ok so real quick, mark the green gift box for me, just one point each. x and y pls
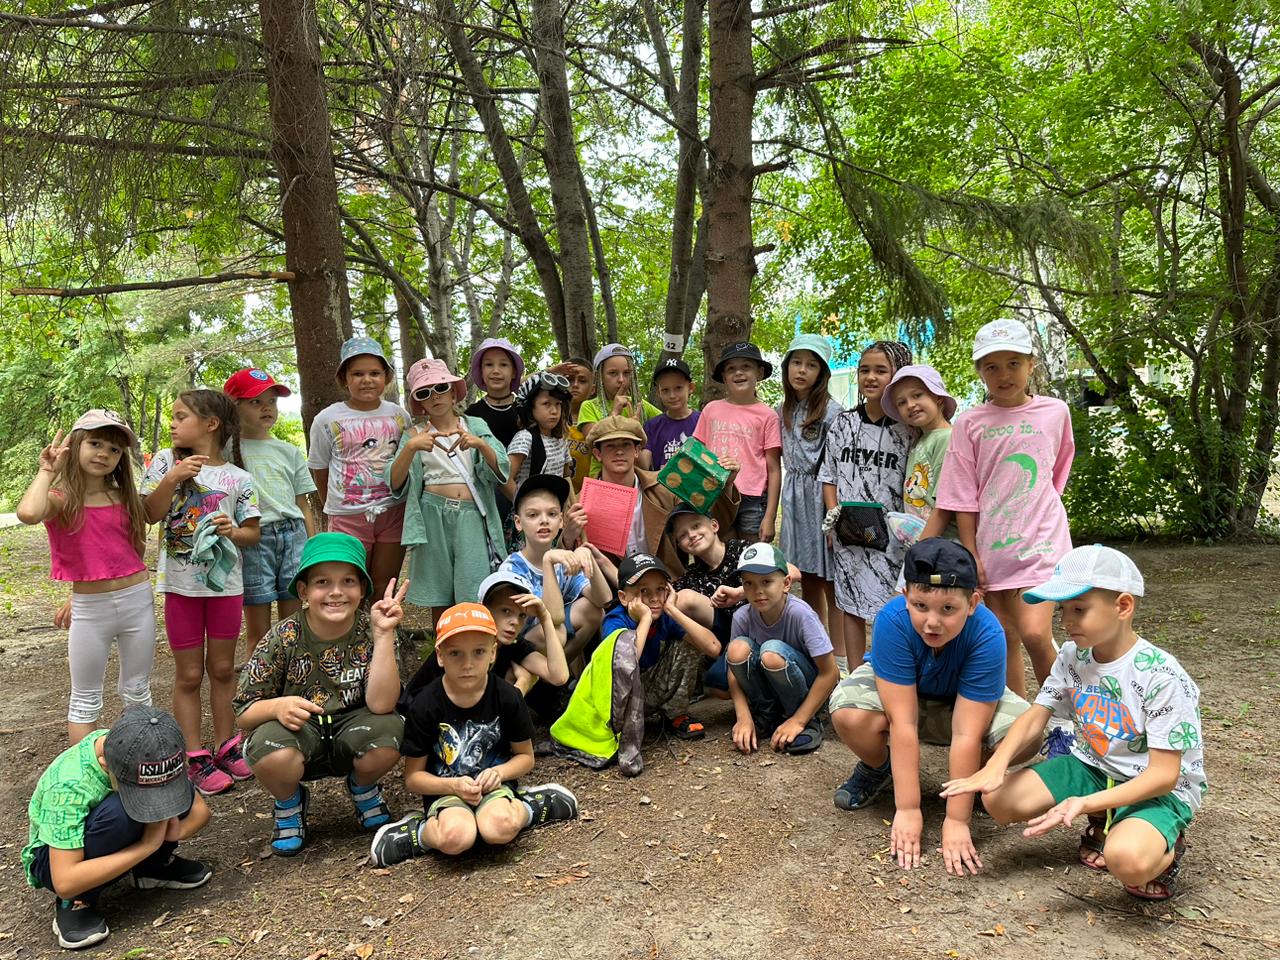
(695, 476)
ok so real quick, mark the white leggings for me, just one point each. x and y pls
(127, 616)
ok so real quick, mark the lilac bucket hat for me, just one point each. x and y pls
(932, 381)
(496, 343)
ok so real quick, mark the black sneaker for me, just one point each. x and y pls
(178, 873)
(550, 801)
(77, 925)
(397, 842)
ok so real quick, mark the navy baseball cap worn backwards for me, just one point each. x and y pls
(938, 562)
(632, 568)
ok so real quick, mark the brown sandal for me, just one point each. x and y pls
(1165, 880)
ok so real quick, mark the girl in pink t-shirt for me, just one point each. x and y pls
(86, 496)
(740, 428)
(1007, 465)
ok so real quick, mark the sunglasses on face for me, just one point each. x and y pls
(424, 393)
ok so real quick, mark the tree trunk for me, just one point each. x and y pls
(682, 99)
(301, 151)
(412, 345)
(731, 263)
(602, 262)
(564, 174)
(521, 207)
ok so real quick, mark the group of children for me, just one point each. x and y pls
(533, 620)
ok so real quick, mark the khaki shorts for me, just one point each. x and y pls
(329, 743)
(858, 690)
(503, 792)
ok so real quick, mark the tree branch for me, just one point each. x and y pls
(275, 275)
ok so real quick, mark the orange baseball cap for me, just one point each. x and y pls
(464, 618)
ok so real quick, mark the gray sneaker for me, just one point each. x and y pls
(397, 842)
(863, 785)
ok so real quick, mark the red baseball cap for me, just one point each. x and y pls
(251, 382)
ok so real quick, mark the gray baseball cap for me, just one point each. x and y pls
(146, 754)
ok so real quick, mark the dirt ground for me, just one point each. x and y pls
(708, 853)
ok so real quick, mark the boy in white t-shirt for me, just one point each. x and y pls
(1137, 766)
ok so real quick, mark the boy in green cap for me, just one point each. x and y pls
(318, 693)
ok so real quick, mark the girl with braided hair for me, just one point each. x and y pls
(864, 465)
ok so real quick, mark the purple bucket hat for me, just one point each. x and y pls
(932, 381)
(496, 343)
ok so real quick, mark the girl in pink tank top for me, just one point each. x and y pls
(85, 495)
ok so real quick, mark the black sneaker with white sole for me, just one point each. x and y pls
(549, 801)
(397, 842)
(77, 925)
(177, 873)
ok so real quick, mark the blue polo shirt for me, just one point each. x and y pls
(662, 630)
(971, 666)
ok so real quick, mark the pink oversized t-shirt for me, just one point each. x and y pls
(1009, 465)
(744, 431)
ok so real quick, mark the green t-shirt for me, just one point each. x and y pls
(924, 468)
(590, 412)
(290, 661)
(280, 476)
(72, 786)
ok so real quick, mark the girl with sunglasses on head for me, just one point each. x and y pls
(540, 446)
(449, 466)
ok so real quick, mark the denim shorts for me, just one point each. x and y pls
(750, 516)
(271, 565)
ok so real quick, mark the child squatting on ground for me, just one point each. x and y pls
(468, 740)
(1137, 766)
(935, 674)
(781, 665)
(116, 803)
(318, 693)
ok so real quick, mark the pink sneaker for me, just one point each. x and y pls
(202, 772)
(231, 761)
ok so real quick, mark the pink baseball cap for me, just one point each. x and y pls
(932, 381)
(96, 418)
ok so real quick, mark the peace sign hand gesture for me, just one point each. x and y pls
(387, 613)
(55, 454)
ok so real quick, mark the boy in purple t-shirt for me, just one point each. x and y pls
(669, 430)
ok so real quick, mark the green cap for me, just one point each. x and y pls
(762, 558)
(814, 343)
(330, 547)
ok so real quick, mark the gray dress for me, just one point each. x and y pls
(802, 510)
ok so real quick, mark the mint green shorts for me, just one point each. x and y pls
(454, 561)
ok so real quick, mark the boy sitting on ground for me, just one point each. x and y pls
(935, 673)
(648, 662)
(1137, 766)
(468, 739)
(318, 693)
(513, 602)
(713, 584)
(781, 664)
(581, 590)
(118, 802)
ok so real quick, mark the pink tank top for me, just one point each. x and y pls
(102, 549)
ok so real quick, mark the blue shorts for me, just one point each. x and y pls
(750, 516)
(271, 565)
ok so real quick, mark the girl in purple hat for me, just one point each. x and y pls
(497, 368)
(917, 397)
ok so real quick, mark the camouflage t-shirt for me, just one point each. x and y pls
(290, 661)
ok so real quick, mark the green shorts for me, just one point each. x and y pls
(329, 743)
(858, 690)
(1069, 776)
(506, 792)
(451, 564)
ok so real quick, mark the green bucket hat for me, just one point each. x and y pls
(329, 547)
(814, 343)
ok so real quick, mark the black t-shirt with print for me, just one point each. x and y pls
(706, 581)
(463, 741)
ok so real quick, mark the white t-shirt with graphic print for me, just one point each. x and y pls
(1123, 709)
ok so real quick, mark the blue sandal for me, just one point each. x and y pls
(371, 809)
(289, 834)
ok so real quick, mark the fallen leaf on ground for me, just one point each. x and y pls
(159, 921)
